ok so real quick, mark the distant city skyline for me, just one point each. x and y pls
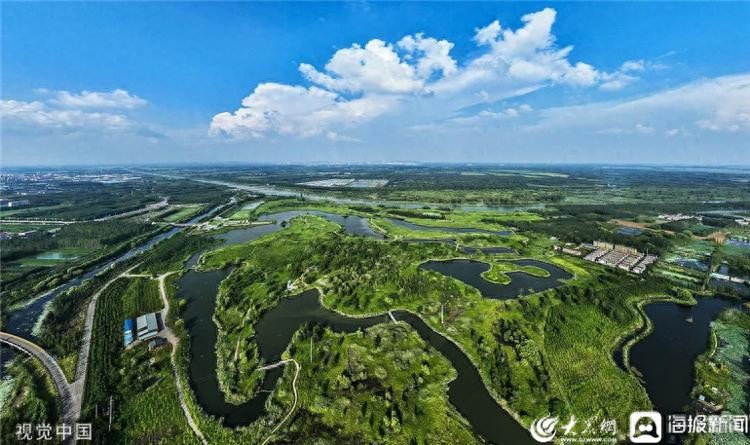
(283, 83)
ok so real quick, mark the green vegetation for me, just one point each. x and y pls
(498, 270)
(536, 353)
(180, 214)
(720, 376)
(141, 296)
(384, 385)
(26, 276)
(27, 395)
(150, 409)
(169, 254)
(546, 353)
(106, 346)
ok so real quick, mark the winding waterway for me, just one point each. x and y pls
(276, 327)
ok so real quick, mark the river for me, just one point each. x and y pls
(275, 328)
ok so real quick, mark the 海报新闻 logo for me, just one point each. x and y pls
(645, 427)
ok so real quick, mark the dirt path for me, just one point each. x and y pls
(174, 340)
(294, 389)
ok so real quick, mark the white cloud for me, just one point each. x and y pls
(374, 68)
(720, 104)
(72, 112)
(38, 114)
(528, 54)
(633, 65)
(362, 82)
(644, 129)
(673, 132)
(432, 56)
(296, 111)
(488, 116)
(93, 99)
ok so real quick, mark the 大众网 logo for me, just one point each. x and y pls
(543, 429)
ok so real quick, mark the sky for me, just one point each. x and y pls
(360, 82)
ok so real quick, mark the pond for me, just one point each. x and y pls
(692, 263)
(353, 225)
(666, 357)
(743, 244)
(56, 256)
(521, 283)
(629, 231)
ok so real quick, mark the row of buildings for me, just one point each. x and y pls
(619, 256)
(146, 327)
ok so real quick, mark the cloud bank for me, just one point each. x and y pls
(363, 82)
(72, 111)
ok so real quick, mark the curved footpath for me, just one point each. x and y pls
(294, 389)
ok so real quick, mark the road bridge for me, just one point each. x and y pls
(71, 405)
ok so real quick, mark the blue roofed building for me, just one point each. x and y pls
(127, 331)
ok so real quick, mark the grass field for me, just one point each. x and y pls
(141, 296)
(25, 227)
(150, 410)
(183, 213)
(28, 396)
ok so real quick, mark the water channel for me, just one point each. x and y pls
(665, 357)
(22, 320)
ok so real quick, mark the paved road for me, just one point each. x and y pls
(155, 206)
(37, 221)
(71, 407)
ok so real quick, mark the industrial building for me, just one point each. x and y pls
(619, 256)
(147, 325)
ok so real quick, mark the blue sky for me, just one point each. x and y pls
(375, 82)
